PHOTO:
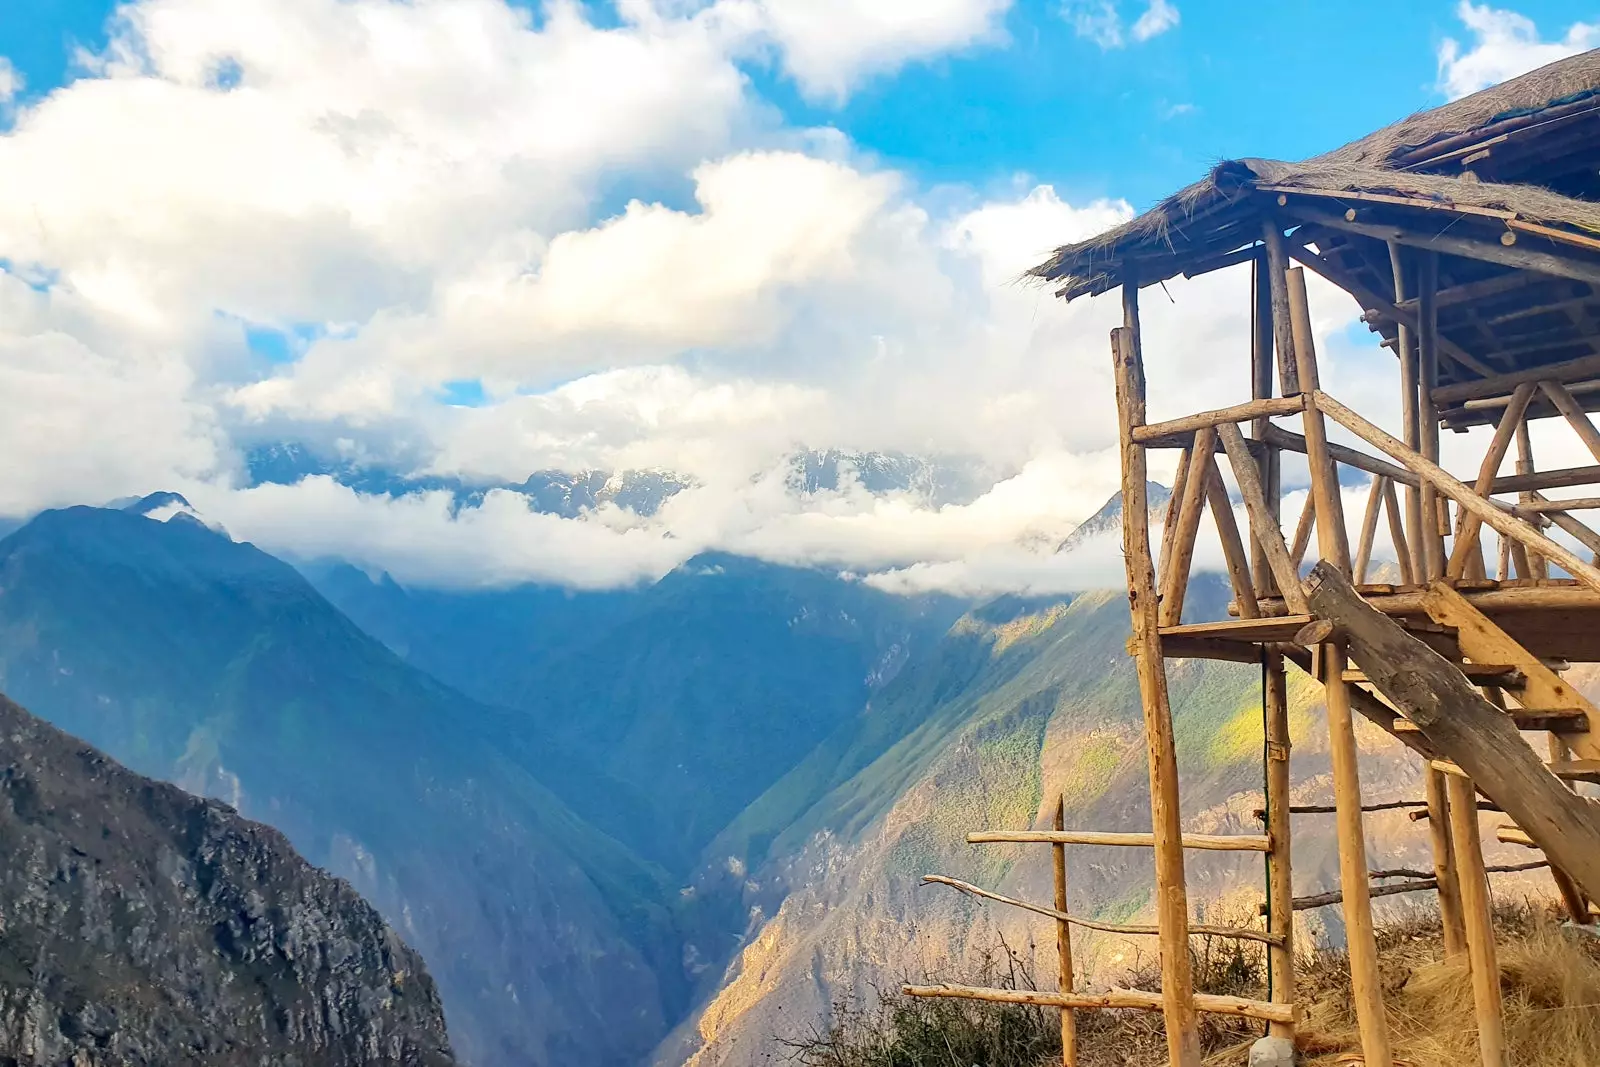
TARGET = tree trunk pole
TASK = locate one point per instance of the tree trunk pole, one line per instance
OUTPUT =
(1333, 543)
(1529, 563)
(1261, 388)
(1411, 414)
(1444, 863)
(1069, 1022)
(1280, 881)
(1477, 909)
(1428, 372)
(1172, 900)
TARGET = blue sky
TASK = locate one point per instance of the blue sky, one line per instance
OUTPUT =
(1285, 80)
(453, 239)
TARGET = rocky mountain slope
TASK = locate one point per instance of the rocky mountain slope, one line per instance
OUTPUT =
(211, 664)
(139, 924)
(1021, 703)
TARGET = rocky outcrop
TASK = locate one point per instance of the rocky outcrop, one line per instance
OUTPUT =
(142, 925)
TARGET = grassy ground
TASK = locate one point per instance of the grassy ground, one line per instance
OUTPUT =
(1549, 976)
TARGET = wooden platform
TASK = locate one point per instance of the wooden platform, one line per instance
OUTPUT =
(1554, 618)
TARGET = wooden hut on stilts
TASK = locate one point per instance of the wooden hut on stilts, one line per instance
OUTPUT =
(1470, 236)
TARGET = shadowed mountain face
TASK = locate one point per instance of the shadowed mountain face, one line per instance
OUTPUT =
(690, 697)
(209, 663)
(143, 925)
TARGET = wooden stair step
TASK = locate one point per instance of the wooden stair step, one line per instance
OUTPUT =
(1504, 675)
(1555, 720)
(1577, 770)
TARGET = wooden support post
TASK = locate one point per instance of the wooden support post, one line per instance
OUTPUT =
(1332, 542)
(1280, 880)
(1260, 389)
(1571, 895)
(1428, 418)
(1464, 727)
(1175, 571)
(1478, 911)
(1576, 417)
(1529, 563)
(1444, 862)
(1169, 525)
(1397, 533)
(1069, 1023)
(1411, 414)
(1369, 528)
(1172, 898)
(1282, 331)
(1302, 531)
(1510, 419)
(1233, 553)
(1264, 526)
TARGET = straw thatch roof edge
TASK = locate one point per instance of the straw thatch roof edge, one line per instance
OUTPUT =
(1371, 164)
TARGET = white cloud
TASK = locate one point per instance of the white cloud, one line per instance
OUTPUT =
(1101, 21)
(1095, 20)
(605, 226)
(1505, 45)
(11, 81)
(1157, 19)
(831, 46)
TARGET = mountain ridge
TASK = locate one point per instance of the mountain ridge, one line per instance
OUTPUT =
(146, 925)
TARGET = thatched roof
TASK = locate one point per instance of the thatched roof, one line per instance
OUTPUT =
(1526, 148)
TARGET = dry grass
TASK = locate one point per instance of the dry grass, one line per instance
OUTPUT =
(1550, 981)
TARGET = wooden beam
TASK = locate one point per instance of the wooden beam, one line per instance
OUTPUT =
(1264, 526)
(1556, 479)
(1303, 530)
(1064, 977)
(1501, 521)
(1518, 256)
(1576, 417)
(1061, 916)
(1210, 1003)
(1280, 874)
(1186, 426)
(1495, 385)
(1484, 642)
(1233, 552)
(1529, 564)
(1397, 534)
(1432, 547)
(1402, 317)
(1282, 330)
(1541, 505)
(1323, 900)
(1175, 571)
(1171, 896)
(1369, 529)
(1278, 437)
(1477, 910)
(1410, 548)
(1333, 543)
(1499, 445)
(1203, 842)
(1261, 388)
(1444, 862)
(1169, 525)
(1464, 726)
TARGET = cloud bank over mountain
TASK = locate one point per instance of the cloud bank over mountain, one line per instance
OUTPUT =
(462, 239)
